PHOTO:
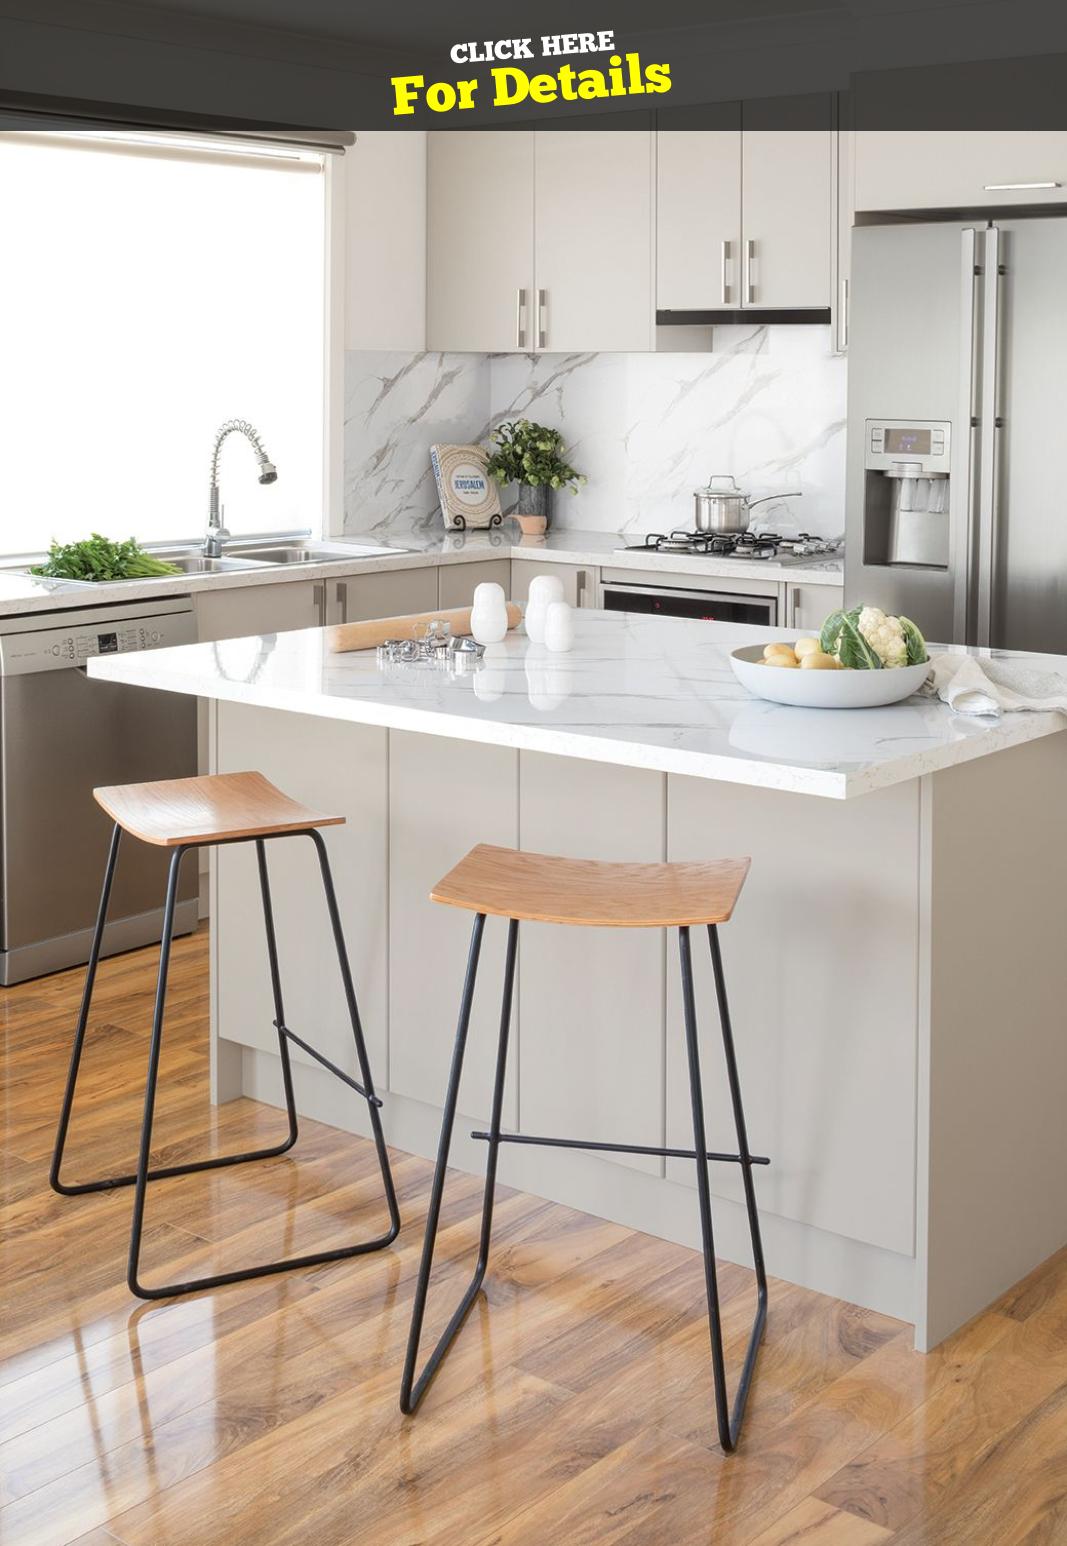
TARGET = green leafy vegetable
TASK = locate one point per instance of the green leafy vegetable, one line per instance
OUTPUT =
(100, 559)
(831, 632)
(915, 642)
(853, 650)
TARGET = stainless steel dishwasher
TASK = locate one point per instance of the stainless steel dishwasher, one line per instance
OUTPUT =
(61, 735)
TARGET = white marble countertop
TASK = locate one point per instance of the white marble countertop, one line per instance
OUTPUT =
(644, 692)
(23, 593)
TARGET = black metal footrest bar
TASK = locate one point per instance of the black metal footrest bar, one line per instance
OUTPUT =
(353, 1084)
(108, 1183)
(623, 1148)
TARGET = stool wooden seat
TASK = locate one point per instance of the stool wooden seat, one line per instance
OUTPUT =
(508, 883)
(217, 808)
(181, 814)
(544, 888)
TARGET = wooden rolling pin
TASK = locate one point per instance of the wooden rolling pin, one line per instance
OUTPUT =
(344, 637)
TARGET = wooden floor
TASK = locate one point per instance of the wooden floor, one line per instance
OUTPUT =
(575, 1409)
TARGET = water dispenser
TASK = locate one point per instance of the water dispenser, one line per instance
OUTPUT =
(906, 492)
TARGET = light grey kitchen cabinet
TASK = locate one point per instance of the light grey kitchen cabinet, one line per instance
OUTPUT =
(848, 1165)
(807, 606)
(567, 263)
(237, 611)
(456, 582)
(593, 240)
(479, 240)
(390, 594)
(959, 169)
(591, 1000)
(746, 211)
(348, 775)
(580, 586)
(477, 787)
(698, 208)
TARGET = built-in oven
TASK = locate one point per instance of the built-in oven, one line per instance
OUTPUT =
(671, 601)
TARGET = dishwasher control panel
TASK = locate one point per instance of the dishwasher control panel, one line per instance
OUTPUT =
(26, 647)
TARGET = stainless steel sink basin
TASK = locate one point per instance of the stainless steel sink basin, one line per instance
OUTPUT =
(289, 555)
(196, 563)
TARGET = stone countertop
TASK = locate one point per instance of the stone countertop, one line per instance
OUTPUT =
(644, 692)
(22, 593)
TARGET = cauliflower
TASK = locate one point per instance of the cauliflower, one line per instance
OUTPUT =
(885, 636)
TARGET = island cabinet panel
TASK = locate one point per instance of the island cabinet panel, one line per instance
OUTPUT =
(591, 1000)
(457, 582)
(342, 769)
(445, 796)
(822, 969)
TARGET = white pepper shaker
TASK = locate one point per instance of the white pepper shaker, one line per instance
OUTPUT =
(559, 627)
(544, 589)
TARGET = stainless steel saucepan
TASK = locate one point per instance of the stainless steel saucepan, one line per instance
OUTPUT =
(722, 507)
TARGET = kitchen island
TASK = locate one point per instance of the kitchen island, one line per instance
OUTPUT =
(895, 966)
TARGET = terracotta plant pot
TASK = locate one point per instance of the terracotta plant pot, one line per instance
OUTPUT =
(531, 525)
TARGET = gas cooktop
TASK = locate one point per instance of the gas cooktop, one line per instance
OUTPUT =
(745, 544)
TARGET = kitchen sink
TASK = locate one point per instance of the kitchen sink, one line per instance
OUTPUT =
(289, 555)
(196, 563)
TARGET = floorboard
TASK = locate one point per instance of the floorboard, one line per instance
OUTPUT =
(576, 1407)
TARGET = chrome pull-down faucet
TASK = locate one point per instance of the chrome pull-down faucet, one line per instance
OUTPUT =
(216, 533)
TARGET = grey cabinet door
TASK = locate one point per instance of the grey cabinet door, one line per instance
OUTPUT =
(579, 581)
(457, 582)
(479, 240)
(959, 169)
(392, 594)
(594, 240)
(698, 208)
(241, 610)
(787, 178)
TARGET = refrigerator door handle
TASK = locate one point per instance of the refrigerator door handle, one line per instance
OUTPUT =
(990, 426)
(963, 481)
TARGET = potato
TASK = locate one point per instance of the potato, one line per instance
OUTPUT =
(785, 651)
(815, 660)
(806, 646)
(789, 661)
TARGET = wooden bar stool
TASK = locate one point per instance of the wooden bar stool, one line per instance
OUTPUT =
(185, 813)
(514, 885)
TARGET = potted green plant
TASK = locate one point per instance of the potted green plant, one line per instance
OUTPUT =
(533, 457)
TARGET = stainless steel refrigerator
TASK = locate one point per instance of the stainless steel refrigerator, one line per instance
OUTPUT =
(957, 429)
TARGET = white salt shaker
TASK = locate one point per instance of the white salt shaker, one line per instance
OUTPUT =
(559, 627)
(489, 614)
(544, 589)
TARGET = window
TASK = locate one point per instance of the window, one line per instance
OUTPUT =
(148, 293)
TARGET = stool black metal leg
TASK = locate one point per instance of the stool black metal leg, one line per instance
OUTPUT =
(144, 1175)
(373, 1104)
(276, 990)
(110, 1183)
(412, 1391)
(79, 1034)
(729, 1426)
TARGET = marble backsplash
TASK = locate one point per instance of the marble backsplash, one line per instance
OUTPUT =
(767, 404)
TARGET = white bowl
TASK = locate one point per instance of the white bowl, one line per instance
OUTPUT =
(824, 689)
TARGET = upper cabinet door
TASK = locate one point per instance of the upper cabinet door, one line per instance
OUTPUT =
(964, 169)
(594, 240)
(480, 214)
(698, 208)
(787, 178)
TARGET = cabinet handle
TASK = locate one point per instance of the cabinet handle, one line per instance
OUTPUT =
(581, 588)
(750, 258)
(726, 273)
(842, 318)
(1007, 187)
(542, 309)
(319, 599)
(520, 319)
(794, 606)
(342, 599)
